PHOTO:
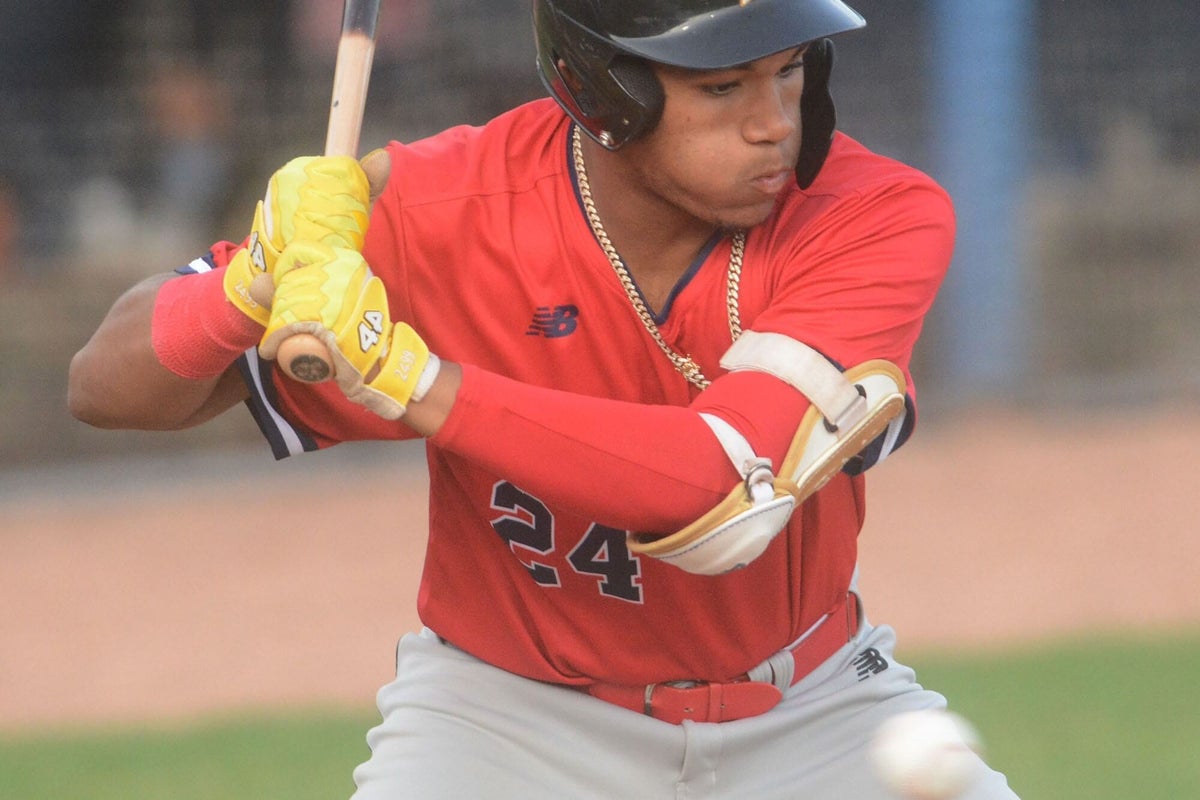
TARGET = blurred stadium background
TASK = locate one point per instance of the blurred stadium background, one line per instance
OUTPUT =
(134, 132)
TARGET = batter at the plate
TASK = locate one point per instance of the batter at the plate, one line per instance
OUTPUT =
(654, 329)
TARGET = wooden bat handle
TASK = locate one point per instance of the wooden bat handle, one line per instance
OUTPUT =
(303, 356)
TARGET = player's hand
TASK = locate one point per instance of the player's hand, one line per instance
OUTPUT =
(321, 199)
(377, 165)
(331, 293)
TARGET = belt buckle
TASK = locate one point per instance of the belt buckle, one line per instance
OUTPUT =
(647, 707)
(648, 696)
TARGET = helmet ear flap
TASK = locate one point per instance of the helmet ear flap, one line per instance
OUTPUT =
(637, 80)
(818, 119)
(613, 96)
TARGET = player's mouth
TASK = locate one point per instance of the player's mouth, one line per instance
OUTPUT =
(773, 182)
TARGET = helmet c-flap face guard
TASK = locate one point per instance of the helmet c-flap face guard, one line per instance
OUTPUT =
(611, 92)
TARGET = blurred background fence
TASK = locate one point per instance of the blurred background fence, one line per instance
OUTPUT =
(135, 132)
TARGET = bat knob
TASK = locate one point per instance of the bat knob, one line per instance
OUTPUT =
(304, 358)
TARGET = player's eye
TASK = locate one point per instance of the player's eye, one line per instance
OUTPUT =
(720, 89)
(792, 67)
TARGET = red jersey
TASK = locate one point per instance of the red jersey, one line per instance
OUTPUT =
(571, 427)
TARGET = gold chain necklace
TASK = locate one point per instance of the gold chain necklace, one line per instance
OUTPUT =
(688, 368)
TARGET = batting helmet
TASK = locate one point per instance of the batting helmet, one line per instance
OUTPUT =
(611, 92)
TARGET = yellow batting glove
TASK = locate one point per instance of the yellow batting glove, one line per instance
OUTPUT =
(331, 293)
(321, 199)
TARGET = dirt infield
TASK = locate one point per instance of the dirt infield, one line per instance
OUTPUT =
(185, 587)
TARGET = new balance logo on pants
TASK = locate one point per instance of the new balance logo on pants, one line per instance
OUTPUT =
(869, 662)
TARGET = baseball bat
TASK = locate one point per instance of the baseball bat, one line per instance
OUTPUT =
(302, 355)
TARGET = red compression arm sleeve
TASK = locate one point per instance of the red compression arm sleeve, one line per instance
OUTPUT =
(638, 467)
(196, 332)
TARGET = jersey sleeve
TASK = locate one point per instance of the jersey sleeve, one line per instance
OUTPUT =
(865, 274)
(218, 257)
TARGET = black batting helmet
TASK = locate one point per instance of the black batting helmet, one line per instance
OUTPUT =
(611, 92)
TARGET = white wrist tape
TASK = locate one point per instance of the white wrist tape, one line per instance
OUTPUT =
(428, 375)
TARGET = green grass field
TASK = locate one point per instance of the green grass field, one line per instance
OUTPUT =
(1110, 719)
(1094, 720)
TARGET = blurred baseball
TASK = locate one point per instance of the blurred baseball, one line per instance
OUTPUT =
(926, 755)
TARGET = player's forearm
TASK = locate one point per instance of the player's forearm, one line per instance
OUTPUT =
(117, 381)
(640, 467)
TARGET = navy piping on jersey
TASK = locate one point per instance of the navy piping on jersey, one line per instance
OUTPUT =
(285, 440)
(205, 264)
(661, 315)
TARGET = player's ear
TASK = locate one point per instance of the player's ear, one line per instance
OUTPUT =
(378, 166)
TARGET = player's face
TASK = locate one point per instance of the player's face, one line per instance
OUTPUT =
(728, 140)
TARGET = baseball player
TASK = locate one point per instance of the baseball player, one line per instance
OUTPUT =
(653, 330)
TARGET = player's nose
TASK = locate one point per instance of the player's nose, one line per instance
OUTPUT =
(772, 116)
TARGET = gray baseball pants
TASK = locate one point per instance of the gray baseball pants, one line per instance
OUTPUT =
(456, 727)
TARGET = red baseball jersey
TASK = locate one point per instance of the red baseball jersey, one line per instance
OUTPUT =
(572, 427)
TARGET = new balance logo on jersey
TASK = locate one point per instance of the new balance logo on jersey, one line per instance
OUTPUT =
(869, 662)
(555, 322)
